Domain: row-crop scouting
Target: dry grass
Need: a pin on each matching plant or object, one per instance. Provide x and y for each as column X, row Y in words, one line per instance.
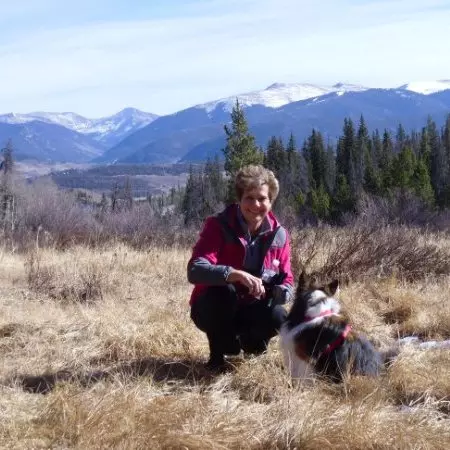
column 106, row 335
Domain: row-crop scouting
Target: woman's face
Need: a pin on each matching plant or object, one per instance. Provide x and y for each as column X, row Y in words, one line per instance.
column 255, row 205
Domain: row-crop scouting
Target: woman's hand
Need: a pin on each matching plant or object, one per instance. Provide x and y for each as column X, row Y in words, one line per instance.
column 254, row 284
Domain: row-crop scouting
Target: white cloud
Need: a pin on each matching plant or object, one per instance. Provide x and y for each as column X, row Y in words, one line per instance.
column 213, row 49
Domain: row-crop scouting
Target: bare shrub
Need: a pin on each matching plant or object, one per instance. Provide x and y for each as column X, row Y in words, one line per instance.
column 403, row 208
column 47, row 217
column 142, row 227
column 53, row 216
column 361, row 251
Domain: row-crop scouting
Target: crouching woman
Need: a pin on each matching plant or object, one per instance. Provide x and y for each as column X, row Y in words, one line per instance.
column 241, row 270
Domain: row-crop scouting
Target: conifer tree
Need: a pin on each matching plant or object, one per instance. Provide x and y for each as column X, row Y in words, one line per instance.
column 319, row 200
column 191, row 205
column 400, row 139
column 438, row 161
column 213, row 175
column 345, row 154
column 421, row 182
column 275, row 158
column 377, row 148
column 404, row 165
column 295, row 182
column 424, row 148
column 241, row 148
column 330, row 169
column 316, row 159
column 372, row 176
column 360, row 156
column 344, row 200
column 385, row 163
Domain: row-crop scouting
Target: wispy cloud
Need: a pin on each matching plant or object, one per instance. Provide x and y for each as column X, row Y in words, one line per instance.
column 162, row 59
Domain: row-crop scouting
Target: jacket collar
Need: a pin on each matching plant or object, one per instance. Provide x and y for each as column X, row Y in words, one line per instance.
column 231, row 215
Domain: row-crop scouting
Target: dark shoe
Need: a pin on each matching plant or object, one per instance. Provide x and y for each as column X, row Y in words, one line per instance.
column 253, row 347
column 233, row 347
column 216, row 365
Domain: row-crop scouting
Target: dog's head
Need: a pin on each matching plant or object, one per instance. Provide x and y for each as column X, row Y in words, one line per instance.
column 313, row 299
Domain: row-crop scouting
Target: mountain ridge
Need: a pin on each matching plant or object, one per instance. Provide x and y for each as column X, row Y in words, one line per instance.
column 134, row 136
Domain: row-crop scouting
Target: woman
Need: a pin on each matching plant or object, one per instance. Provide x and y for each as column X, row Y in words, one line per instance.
column 241, row 270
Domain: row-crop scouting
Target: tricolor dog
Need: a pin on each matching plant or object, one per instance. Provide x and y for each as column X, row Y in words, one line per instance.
column 317, row 339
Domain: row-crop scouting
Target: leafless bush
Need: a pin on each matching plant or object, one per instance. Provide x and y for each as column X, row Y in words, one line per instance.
column 142, row 226
column 402, row 209
column 360, row 251
column 48, row 216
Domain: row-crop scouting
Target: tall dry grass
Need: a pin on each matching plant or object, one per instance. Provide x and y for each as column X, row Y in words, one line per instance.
column 98, row 351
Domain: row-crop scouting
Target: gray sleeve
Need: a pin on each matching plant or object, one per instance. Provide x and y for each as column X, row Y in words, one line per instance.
column 201, row 271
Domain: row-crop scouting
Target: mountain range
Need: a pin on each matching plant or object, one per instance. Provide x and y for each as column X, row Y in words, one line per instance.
column 195, row 133
column 68, row 137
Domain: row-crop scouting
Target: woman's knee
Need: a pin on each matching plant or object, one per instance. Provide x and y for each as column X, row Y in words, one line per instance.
column 214, row 306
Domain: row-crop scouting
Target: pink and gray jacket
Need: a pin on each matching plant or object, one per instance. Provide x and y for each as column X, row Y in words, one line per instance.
column 222, row 245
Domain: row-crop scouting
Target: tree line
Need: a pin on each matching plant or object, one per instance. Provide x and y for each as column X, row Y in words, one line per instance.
column 325, row 180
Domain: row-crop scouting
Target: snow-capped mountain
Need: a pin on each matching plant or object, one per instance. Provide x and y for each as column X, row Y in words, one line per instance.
column 426, row 87
column 279, row 94
column 192, row 134
column 107, row 130
column 49, row 142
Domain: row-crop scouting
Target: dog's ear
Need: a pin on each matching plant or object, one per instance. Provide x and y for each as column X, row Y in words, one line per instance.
column 303, row 281
column 333, row 287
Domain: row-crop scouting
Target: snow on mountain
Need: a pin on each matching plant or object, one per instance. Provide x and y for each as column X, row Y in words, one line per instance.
column 279, row 94
column 426, row 87
column 128, row 119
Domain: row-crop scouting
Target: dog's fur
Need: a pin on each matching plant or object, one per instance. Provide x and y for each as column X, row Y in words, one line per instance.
column 317, row 339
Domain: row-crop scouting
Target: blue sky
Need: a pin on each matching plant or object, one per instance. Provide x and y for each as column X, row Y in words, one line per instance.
column 95, row 58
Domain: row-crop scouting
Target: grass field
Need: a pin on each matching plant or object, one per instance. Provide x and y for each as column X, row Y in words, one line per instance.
column 98, row 351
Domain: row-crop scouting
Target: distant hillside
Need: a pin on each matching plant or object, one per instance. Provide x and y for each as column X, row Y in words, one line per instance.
column 61, row 137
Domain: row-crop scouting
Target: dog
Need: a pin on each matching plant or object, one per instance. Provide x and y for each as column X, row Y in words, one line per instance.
column 317, row 339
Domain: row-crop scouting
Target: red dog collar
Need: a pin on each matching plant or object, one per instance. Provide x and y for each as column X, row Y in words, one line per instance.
column 339, row 341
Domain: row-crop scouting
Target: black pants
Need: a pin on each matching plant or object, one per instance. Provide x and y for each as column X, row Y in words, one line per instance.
column 231, row 324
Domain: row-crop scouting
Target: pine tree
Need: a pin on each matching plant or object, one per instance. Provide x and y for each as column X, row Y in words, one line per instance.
column 438, row 161
column 316, row 159
column 345, row 155
column 446, row 137
column 404, row 165
column 421, row 182
column 213, row 175
column 344, row 200
column 276, row 158
column 400, row 139
column 361, row 153
column 377, row 148
column 330, row 169
column 295, row 183
column 191, row 205
column 424, row 148
column 445, row 142
column 385, row 163
column 320, row 202
column 372, row 176
column 241, row 149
